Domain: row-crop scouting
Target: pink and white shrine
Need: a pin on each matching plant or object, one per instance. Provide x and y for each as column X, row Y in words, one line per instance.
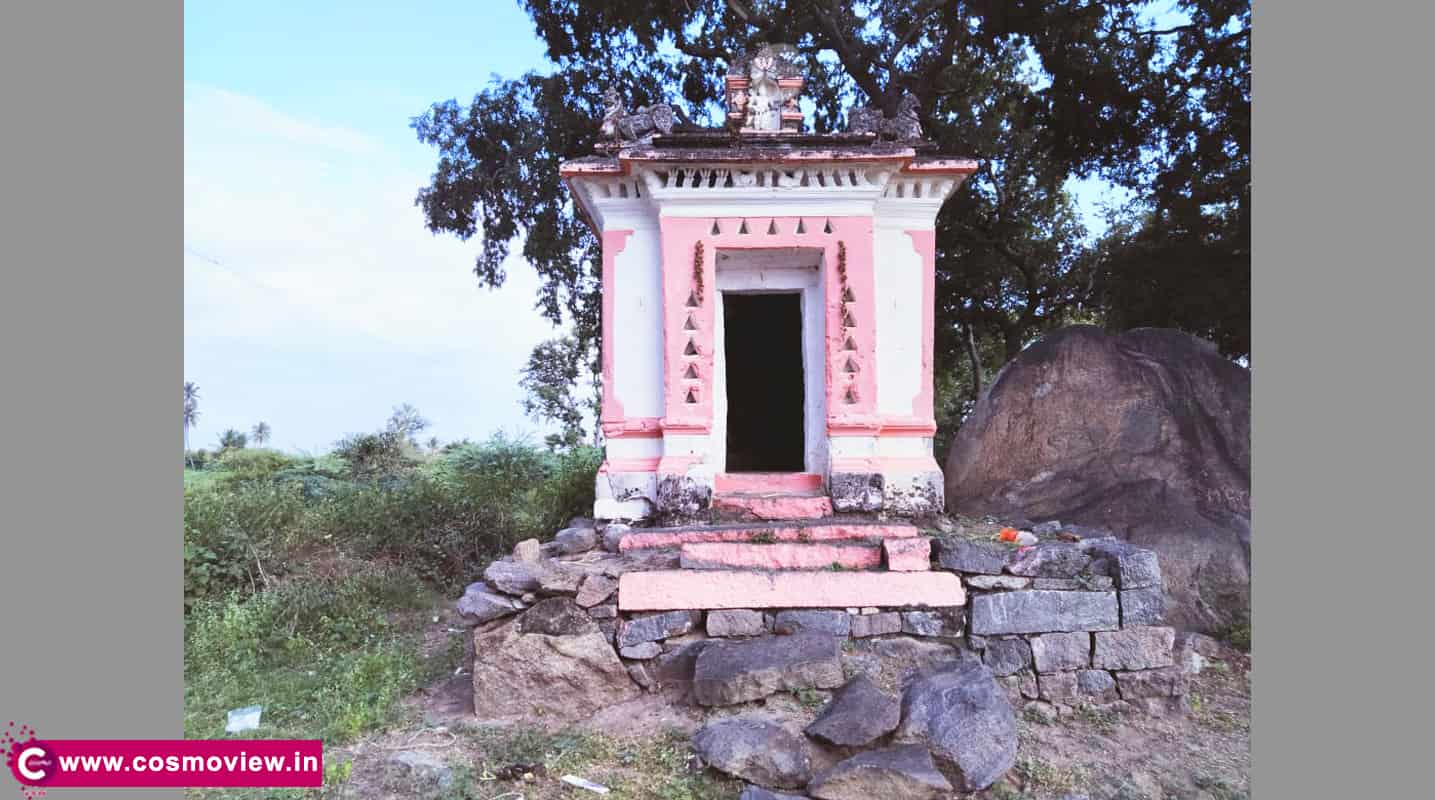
column 767, row 319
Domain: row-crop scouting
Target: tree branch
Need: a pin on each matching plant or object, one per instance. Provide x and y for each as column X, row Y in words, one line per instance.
column 855, row 65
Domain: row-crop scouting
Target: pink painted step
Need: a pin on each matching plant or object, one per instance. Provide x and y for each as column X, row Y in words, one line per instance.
column 770, row 531
column 677, row 589
column 808, row 505
column 766, row 482
column 745, row 555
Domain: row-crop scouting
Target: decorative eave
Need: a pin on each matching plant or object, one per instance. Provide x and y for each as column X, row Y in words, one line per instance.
column 695, row 178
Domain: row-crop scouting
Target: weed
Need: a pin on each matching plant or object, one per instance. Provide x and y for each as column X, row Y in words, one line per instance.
column 809, row 698
column 763, row 537
column 1048, row 777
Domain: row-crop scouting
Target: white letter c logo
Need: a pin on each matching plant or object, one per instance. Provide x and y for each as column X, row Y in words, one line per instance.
column 23, row 763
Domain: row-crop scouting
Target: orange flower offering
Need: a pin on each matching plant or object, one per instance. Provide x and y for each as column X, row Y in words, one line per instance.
column 1008, row 534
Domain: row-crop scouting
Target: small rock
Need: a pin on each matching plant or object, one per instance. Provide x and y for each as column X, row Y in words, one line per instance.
column 998, row 582
column 1007, row 656
column 1057, row 687
column 946, row 525
column 833, row 623
column 1144, row 606
column 423, row 769
column 1096, row 685
column 478, row 605
column 1054, row 652
column 528, row 599
column 1134, row 567
column 943, row 622
column 1051, row 560
column 572, row 541
column 661, row 625
column 1205, row 645
column 606, row 611
column 965, row 719
column 556, row 616
column 557, row 578
column 755, row 750
column 513, row 577
column 735, row 622
column 641, row 676
column 1020, row 686
column 1134, row 648
column 1164, row 682
column 595, row 589
column 868, row 610
column 1041, row 711
column 894, row 773
column 527, row 551
column 1048, row 528
column 858, row 715
column 613, row 536
column 876, row 624
column 641, row 652
column 967, row 555
column 919, row 652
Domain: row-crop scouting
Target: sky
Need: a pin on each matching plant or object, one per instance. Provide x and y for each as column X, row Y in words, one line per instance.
column 314, row 297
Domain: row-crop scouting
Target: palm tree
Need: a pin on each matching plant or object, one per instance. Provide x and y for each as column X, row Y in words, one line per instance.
column 191, row 411
column 260, row 433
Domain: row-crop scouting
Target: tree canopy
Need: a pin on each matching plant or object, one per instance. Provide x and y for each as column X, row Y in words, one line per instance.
column 1040, row 92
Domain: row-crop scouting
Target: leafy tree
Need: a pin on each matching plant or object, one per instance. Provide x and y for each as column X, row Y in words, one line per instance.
column 407, row 423
column 232, row 439
column 550, row 378
column 260, row 433
column 191, row 410
column 1039, row 91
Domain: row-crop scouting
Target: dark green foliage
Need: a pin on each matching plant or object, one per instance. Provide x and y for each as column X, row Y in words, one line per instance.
column 443, row 519
column 232, row 439
column 551, row 380
column 1039, row 92
column 373, row 456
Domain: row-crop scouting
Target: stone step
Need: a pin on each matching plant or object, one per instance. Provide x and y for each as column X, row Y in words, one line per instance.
column 675, row 589
column 766, row 532
column 787, row 555
column 766, row 482
column 774, row 505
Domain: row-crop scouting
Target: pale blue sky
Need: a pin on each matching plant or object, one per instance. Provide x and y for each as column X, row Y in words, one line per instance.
column 314, row 297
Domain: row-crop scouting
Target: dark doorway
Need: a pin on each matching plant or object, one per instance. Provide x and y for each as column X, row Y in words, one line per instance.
column 763, row 341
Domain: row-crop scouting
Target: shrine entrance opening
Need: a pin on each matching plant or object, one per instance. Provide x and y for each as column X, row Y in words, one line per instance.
column 763, row 355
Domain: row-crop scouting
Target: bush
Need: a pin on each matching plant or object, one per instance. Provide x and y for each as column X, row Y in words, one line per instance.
column 231, row 532
column 250, row 464
column 323, row 656
column 373, row 456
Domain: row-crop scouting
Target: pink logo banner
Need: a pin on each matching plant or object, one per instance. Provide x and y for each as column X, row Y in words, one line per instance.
column 160, row 763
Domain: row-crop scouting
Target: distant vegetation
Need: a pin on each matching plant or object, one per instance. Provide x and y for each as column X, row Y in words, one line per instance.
column 306, row 577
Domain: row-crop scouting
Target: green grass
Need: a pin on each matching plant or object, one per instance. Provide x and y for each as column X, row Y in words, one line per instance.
column 327, row 658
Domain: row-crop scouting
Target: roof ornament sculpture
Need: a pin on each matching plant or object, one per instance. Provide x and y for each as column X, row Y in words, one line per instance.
column 621, row 125
column 762, row 90
column 905, row 127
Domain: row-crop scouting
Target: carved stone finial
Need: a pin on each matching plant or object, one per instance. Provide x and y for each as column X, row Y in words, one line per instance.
column 905, row 127
column 762, row 89
column 619, row 125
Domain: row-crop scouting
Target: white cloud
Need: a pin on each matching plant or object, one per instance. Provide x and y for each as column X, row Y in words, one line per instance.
column 302, row 244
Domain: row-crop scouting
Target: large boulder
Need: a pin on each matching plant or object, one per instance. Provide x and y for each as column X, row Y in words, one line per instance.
column 965, row 719
column 1145, row 434
column 729, row 672
column 858, row 715
column 551, row 678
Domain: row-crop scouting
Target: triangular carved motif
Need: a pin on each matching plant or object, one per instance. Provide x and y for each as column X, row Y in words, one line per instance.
column 827, row 226
column 847, row 295
column 693, row 300
column 848, row 321
column 742, row 227
column 850, row 344
column 800, row 227
column 692, row 348
column 716, row 230
column 850, row 397
column 772, row 228
column 692, row 396
column 692, row 372
column 690, row 325
column 850, row 367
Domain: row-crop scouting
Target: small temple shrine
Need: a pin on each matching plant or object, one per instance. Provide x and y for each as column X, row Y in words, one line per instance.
column 767, row 317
